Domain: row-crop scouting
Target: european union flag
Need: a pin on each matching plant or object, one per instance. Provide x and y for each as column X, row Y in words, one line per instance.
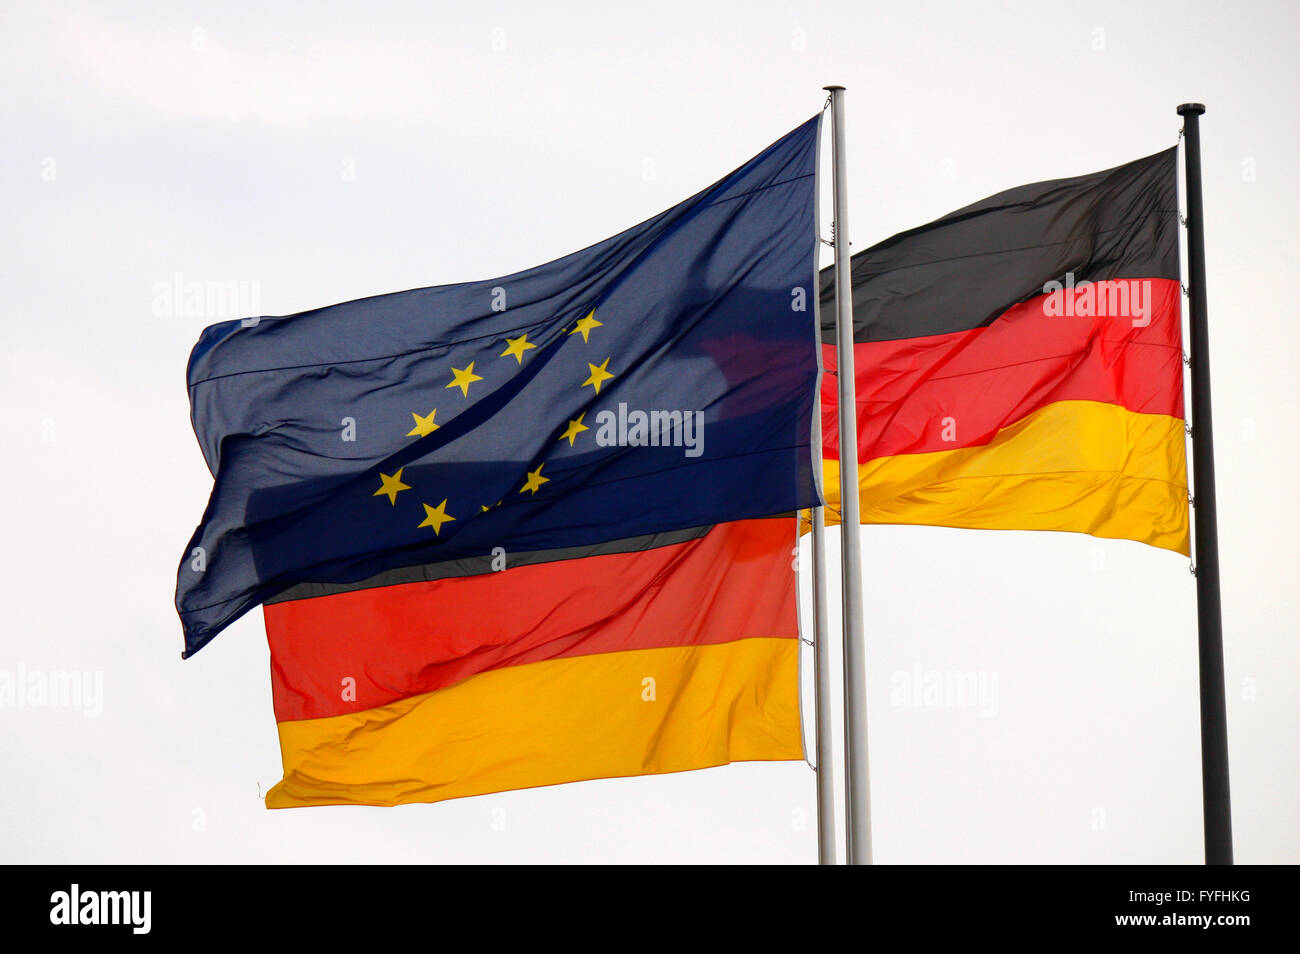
column 660, row 380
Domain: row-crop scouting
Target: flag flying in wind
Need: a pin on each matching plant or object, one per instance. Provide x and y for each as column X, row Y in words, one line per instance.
column 661, row 654
column 520, row 531
column 1019, row 363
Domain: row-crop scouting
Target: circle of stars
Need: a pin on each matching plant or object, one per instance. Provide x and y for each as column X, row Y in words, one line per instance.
column 423, row 424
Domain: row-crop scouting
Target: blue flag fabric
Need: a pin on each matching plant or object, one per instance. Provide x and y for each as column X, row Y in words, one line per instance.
column 662, row 379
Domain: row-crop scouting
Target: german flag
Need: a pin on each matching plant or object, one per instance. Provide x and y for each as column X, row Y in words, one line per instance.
column 1019, row 363
column 657, row 654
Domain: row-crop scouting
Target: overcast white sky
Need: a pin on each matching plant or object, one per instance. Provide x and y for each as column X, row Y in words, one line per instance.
column 327, row 151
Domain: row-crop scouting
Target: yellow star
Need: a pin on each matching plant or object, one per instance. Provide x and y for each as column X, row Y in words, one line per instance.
column 576, row 427
column 585, row 325
column 535, row 480
column 599, row 374
column 436, row 516
column 461, row 379
column 517, row 347
column 424, row 426
column 490, row 506
column 391, row 486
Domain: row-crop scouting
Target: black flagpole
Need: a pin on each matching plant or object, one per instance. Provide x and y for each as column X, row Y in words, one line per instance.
column 1214, row 716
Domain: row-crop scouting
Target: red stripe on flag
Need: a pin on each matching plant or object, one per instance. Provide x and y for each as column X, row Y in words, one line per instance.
column 941, row 392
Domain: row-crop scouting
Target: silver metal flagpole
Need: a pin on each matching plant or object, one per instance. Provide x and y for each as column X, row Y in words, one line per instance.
column 821, row 612
column 857, row 792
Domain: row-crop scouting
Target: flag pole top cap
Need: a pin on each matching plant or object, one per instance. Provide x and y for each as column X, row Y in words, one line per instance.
column 1194, row 109
column 832, row 88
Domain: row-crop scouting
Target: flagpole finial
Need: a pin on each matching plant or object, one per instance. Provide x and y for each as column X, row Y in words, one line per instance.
column 1194, row 109
column 832, row 88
